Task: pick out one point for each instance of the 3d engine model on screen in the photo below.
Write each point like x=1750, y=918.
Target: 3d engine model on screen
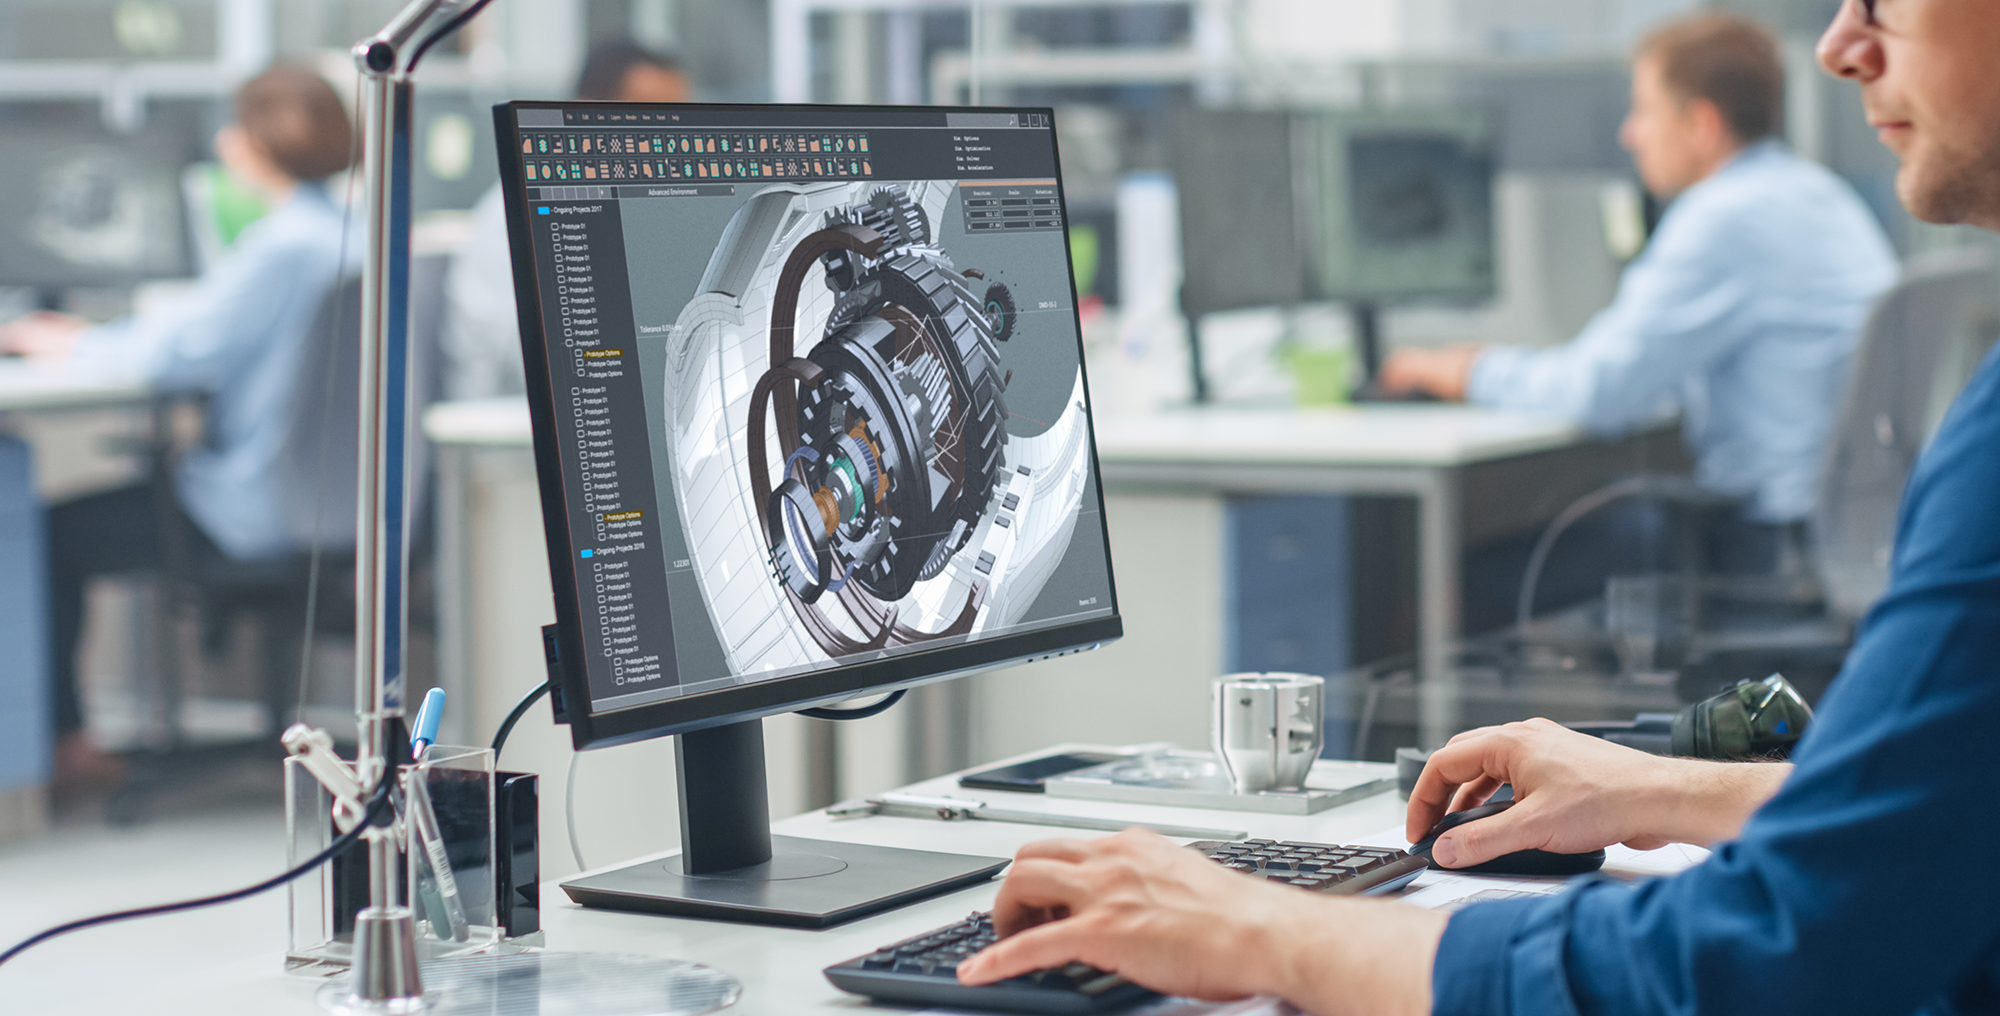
x=892, y=427
x=861, y=464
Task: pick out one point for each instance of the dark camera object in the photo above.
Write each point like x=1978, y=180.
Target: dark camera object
x=1751, y=719
x=1754, y=719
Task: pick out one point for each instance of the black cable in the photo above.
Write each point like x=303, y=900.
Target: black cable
x=457, y=22
x=507, y=725
x=861, y=713
x=1673, y=488
x=341, y=843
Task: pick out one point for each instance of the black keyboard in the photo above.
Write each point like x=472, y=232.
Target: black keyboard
x=924, y=970
x=1318, y=867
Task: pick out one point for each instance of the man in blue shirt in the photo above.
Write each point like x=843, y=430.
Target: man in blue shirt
x=1742, y=312
x=1850, y=881
x=238, y=336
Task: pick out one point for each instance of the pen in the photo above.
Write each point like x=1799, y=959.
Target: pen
x=951, y=809
x=425, y=731
x=445, y=908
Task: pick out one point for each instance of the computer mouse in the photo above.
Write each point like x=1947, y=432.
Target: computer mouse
x=1520, y=862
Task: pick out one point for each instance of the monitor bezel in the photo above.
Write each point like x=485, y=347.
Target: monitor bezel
x=572, y=702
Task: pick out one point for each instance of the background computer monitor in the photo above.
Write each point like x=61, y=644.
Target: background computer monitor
x=1364, y=206
x=810, y=421
x=83, y=207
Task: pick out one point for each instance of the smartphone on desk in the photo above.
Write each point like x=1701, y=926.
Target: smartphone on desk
x=1026, y=777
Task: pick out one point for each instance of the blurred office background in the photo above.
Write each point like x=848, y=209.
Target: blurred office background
x=110, y=198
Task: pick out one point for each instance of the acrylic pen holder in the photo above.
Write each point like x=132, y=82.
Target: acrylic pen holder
x=448, y=806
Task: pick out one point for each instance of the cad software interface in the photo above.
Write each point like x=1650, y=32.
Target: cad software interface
x=818, y=386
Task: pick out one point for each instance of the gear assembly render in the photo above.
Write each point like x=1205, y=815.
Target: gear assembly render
x=718, y=354
x=892, y=428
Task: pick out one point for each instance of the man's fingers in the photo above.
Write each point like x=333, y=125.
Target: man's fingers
x=1467, y=735
x=1449, y=767
x=1475, y=793
x=1488, y=838
x=1066, y=849
x=1034, y=888
x=1049, y=945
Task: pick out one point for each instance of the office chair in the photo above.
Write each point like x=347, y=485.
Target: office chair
x=1920, y=346
x=316, y=477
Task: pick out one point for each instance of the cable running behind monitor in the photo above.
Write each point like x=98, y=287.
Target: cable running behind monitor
x=810, y=421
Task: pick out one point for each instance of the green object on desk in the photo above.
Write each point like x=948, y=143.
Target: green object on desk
x=1323, y=374
x=233, y=206
x=1083, y=257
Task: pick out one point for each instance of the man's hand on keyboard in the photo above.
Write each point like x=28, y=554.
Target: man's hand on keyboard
x=1174, y=921
x=1578, y=793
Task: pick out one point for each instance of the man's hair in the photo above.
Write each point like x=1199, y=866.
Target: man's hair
x=605, y=68
x=296, y=119
x=1727, y=59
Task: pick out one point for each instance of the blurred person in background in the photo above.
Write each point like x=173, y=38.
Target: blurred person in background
x=482, y=339
x=236, y=336
x=1743, y=311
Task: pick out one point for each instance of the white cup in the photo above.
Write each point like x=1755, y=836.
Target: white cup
x=1268, y=728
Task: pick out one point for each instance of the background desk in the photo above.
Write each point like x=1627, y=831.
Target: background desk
x=26, y=387
x=779, y=967
x=1416, y=451
x=24, y=728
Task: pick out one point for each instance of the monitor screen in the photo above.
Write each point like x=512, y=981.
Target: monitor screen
x=809, y=402
x=1381, y=206
x=87, y=208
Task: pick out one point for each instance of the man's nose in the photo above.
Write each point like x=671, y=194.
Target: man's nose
x=1849, y=49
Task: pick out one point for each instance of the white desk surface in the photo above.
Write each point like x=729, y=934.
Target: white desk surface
x=29, y=387
x=499, y=421
x=1388, y=434
x=779, y=967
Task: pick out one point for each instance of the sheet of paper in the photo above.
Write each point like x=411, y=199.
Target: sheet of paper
x=1444, y=890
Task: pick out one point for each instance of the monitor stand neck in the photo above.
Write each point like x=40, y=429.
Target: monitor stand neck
x=731, y=868
x=725, y=808
x=1367, y=317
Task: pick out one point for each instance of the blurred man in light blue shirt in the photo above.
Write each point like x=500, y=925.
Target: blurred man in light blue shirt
x=238, y=336
x=1743, y=311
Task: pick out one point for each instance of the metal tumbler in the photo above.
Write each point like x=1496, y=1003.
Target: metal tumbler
x=1268, y=729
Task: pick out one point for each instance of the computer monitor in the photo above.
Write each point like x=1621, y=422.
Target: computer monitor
x=1365, y=206
x=810, y=421
x=86, y=208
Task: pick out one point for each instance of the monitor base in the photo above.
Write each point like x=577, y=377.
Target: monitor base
x=806, y=884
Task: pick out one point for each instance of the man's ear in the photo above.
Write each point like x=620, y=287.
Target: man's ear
x=1711, y=126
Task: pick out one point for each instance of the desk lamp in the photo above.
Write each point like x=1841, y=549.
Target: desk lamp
x=385, y=977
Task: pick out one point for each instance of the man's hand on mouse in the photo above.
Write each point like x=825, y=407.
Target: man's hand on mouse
x=1177, y=922
x=1576, y=793
x=1442, y=373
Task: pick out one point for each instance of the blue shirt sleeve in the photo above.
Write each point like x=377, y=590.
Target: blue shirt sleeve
x=1864, y=885
x=202, y=339
x=1678, y=307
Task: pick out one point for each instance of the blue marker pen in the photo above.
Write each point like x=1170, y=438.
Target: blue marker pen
x=425, y=731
